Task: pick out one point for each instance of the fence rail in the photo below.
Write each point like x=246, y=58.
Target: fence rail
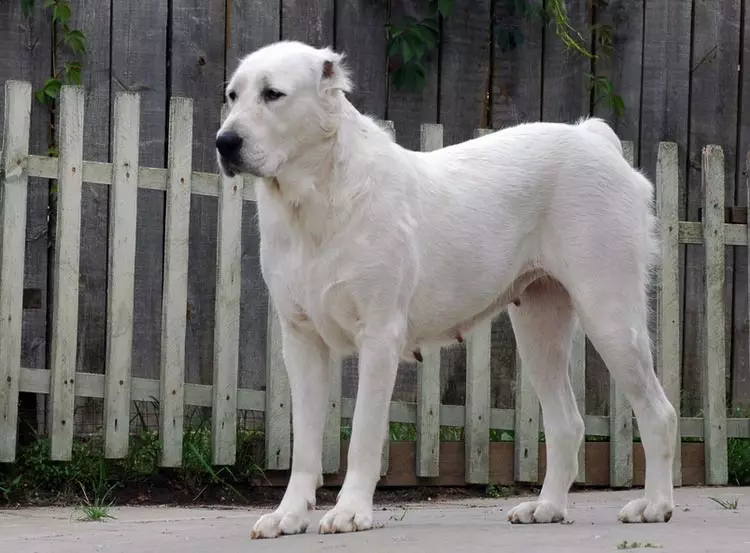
x=118, y=388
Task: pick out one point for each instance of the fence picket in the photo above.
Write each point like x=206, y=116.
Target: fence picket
x=388, y=127
x=428, y=373
x=526, y=447
x=668, y=301
x=174, y=302
x=227, y=317
x=714, y=361
x=122, y=223
x=578, y=381
x=620, y=414
x=332, y=431
x=278, y=399
x=13, y=187
x=66, y=272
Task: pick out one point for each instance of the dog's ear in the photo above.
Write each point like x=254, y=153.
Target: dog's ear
x=334, y=74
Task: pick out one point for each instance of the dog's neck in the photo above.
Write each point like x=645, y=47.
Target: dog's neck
x=307, y=189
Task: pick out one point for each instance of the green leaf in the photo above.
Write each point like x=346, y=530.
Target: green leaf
x=399, y=78
x=27, y=7
x=41, y=97
x=61, y=13
x=406, y=51
x=394, y=47
x=431, y=23
x=426, y=35
x=76, y=40
x=49, y=3
x=445, y=7
x=52, y=87
x=416, y=44
x=617, y=104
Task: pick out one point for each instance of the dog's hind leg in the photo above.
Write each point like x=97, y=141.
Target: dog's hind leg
x=379, y=350
x=307, y=363
x=613, y=310
x=543, y=324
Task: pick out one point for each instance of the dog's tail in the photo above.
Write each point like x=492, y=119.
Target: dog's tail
x=600, y=128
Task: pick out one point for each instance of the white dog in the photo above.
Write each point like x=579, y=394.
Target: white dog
x=369, y=247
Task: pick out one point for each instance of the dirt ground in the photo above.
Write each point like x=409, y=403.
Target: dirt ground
x=433, y=525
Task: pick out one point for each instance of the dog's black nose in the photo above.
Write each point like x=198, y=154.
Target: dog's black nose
x=228, y=143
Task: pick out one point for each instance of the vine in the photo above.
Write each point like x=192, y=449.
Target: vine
x=411, y=40
x=63, y=36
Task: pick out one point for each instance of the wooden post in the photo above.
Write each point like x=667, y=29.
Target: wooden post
x=668, y=351
x=620, y=415
x=122, y=222
x=428, y=373
x=227, y=318
x=388, y=127
x=13, y=194
x=332, y=431
x=278, y=399
x=66, y=272
x=714, y=380
x=578, y=381
x=174, y=303
x=526, y=447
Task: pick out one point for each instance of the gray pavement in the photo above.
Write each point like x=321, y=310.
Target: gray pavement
x=698, y=525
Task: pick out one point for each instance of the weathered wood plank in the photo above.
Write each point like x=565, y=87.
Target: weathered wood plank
x=278, y=399
x=93, y=18
x=122, y=225
x=332, y=431
x=251, y=25
x=311, y=21
x=465, y=70
x=428, y=414
x=714, y=380
x=516, y=98
x=408, y=109
x=139, y=64
x=197, y=69
x=620, y=413
x=740, y=381
x=66, y=272
x=668, y=351
x=227, y=328
x=143, y=389
x=578, y=381
x=477, y=433
x=526, y=447
x=174, y=302
x=359, y=33
x=713, y=120
x=428, y=372
x=25, y=53
x=13, y=198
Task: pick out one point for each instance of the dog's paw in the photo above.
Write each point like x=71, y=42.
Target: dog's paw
x=346, y=517
x=280, y=523
x=536, y=512
x=644, y=510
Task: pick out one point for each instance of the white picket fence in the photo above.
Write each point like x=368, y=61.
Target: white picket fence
x=118, y=388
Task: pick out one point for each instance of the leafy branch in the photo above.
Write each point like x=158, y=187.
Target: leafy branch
x=411, y=40
x=73, y=39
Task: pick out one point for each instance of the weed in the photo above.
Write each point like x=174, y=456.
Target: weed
x=729, y=504
x=499, y=492
x=8, y=488
x=637, y=545
x=402, y=516
x=738, y=457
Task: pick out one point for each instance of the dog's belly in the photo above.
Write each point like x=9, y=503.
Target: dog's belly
x=447, y=321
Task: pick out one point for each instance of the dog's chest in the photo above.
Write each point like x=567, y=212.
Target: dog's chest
x=308, y=289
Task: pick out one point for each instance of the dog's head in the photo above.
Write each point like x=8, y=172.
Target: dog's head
x=283, y=98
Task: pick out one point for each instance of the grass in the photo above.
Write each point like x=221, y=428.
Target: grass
x=738, y=458
x=637, y=545
x=729, y=504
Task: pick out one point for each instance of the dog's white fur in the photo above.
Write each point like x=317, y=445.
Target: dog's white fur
x=369, y=247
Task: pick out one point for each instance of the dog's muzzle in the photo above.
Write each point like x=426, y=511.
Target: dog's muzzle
x=229, y=146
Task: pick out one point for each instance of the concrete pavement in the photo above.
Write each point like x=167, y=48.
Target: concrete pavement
x=698, y=525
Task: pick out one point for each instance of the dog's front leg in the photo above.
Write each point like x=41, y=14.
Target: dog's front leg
x=378, y=364
x=307, y=362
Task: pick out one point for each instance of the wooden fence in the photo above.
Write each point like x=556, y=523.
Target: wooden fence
x=482, y=461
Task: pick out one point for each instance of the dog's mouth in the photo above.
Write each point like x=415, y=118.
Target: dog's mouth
x=233, y=167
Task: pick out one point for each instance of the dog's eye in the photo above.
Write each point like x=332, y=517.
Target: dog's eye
x=271, y=95
x=232, y=95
